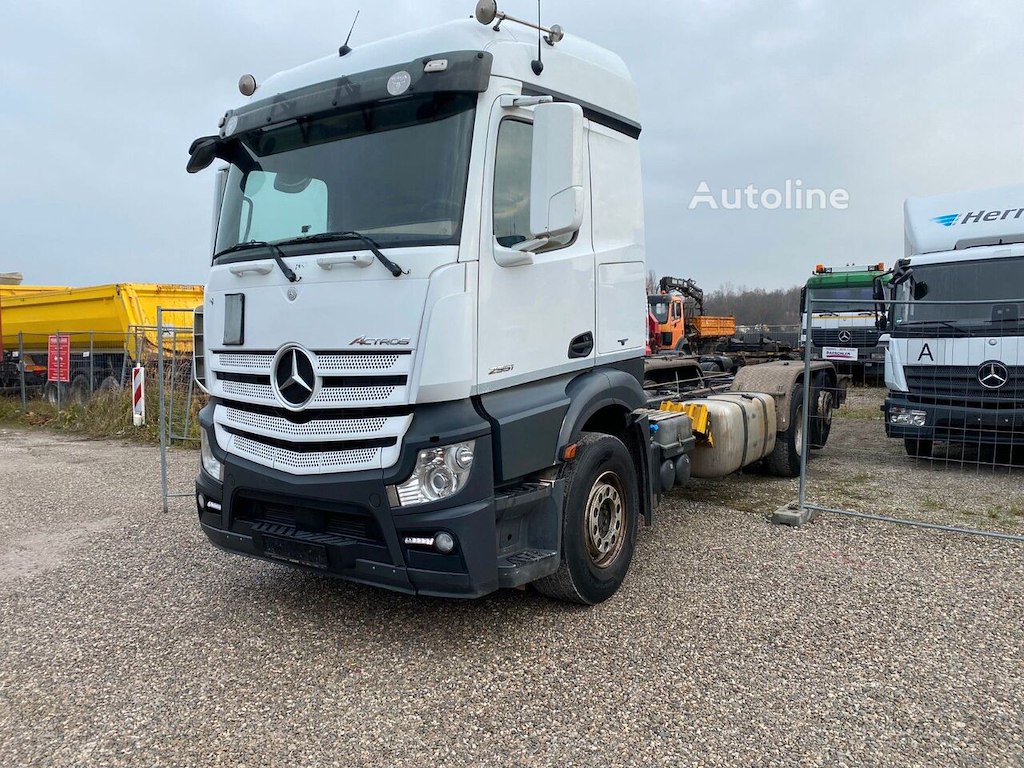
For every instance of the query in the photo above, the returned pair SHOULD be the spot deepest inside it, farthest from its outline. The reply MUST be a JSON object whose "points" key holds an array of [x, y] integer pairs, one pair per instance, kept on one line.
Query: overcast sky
{"points": [[99, 102]]}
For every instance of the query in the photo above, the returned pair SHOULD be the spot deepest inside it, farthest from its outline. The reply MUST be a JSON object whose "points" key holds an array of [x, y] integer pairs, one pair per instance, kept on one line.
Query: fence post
{"points": [[160, 386], [798, 514], [58, 372], [174, 370], [21, 371], [92, 365]]}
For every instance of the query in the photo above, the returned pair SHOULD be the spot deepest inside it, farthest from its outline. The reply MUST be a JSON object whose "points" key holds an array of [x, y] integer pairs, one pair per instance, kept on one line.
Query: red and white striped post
{"points": [[138, 396]]}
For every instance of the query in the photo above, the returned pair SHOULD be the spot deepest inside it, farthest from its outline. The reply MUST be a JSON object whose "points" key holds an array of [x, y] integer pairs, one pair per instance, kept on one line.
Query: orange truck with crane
{"points": [[682, 324]]}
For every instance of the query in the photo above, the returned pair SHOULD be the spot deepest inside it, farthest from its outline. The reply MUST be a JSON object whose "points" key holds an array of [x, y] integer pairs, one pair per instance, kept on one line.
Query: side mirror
{"points": [[556, 171], [202, 152], [920, 291], [878, 290]]}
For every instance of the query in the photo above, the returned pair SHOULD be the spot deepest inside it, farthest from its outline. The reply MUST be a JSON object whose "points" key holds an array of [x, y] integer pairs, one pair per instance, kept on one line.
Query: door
{"points": [[534, 319]]}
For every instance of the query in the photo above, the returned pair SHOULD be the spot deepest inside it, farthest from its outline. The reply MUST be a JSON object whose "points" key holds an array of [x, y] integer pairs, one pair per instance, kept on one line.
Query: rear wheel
{"points": [[784, 460], [824, 403], [918, 449], [599, 522]]}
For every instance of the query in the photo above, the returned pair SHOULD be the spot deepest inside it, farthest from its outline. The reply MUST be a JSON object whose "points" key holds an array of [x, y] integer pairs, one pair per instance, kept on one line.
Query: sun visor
{"points": [[453, 72]]}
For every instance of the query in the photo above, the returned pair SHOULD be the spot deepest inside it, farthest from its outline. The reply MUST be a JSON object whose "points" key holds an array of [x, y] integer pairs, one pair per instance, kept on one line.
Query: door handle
{"points": [[582, 345]]}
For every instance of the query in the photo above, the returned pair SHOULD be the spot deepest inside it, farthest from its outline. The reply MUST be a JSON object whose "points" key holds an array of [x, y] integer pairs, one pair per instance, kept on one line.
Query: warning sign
{"points": [[58, 360]]}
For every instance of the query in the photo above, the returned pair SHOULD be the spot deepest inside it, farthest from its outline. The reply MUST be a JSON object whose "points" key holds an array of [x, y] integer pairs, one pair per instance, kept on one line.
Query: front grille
{"points": [[347, 522], [859, 337], [354, 422], [959, 384], [320, 429]]}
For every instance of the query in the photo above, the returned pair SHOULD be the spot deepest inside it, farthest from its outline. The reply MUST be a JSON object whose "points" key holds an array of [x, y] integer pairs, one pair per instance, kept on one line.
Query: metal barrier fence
{"points": [[91, 372], [941, 445], [177, 389]]}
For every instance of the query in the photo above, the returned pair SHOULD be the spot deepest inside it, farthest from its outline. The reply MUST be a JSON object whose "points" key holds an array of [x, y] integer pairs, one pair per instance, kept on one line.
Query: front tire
{"points": [[599, 522]]}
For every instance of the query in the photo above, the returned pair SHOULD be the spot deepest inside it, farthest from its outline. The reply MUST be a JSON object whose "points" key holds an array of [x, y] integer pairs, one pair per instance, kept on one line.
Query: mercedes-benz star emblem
{"points": [[845, 336], [992, 374], [294, 377]]}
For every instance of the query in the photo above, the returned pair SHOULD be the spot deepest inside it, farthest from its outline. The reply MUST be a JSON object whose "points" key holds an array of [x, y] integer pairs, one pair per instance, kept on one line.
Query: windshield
{"points": [[997, 283], [395, 171], [831, 301], [659, 308]]}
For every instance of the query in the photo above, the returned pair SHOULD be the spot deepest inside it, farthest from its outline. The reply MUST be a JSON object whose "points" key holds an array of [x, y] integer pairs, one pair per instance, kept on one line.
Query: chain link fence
{"points": [[941, 444]]}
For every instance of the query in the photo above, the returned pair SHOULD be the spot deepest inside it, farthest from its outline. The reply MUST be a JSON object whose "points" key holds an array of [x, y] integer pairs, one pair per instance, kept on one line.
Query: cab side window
{"points": [[511, 199], [512, 182]]}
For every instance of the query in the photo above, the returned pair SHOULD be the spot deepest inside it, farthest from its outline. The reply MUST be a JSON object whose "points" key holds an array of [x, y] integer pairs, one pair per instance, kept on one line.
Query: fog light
{"points": [[443, 542], [202, 501]]}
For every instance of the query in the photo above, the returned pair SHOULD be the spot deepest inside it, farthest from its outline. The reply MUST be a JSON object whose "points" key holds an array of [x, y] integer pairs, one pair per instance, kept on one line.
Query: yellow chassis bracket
{"points": [[698, 414]]}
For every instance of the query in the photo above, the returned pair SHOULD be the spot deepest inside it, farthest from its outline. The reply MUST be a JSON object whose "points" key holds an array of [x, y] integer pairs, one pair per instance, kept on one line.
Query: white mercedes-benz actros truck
{"points": [[424, 328], [954, 366]]}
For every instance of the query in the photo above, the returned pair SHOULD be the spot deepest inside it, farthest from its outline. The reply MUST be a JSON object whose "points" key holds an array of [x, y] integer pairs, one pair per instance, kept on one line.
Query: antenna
{"points": [[537, 65], [345, 49]]}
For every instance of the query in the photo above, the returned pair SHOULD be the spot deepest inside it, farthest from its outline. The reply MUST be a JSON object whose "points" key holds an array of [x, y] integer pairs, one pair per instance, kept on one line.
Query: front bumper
{"points": [[958, 424], [342, 525]]}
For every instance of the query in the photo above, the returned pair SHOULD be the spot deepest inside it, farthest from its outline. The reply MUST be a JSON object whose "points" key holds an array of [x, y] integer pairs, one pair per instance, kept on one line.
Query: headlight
{"points": [[907, 417], [211, 464], [439, 473]]}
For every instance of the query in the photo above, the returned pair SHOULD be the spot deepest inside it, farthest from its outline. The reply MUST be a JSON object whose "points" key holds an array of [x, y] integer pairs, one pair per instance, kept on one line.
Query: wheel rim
{"points": [[605, 520], [798, 431], [825, 408]]}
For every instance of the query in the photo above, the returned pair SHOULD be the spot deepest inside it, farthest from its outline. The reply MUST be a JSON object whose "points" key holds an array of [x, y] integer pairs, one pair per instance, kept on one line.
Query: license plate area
{"points": [[300, 552]]}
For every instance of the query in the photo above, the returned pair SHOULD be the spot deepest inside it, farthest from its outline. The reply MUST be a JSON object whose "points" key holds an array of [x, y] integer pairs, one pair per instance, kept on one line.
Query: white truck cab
{"points": [[954, 367]]}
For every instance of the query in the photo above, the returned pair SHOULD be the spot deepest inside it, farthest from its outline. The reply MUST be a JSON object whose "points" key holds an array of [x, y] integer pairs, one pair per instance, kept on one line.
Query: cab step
{"points": [[525, 566]]}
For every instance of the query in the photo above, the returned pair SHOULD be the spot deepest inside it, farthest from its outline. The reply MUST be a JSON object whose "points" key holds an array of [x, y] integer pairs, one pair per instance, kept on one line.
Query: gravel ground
{"points": [[128, 640]]}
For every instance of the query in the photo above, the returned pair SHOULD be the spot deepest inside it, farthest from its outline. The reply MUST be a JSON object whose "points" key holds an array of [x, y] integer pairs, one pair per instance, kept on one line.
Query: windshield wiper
{"points": [[275, 251], [326, 237]]}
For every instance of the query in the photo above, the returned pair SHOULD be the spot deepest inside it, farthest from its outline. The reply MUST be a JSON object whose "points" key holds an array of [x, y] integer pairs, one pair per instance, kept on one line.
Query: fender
{"points": [[777, 379], [594, 390]]}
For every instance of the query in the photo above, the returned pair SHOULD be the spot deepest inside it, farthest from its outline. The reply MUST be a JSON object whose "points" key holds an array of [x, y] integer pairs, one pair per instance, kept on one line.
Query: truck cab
{"points": [[842, 321], [953, 366]]}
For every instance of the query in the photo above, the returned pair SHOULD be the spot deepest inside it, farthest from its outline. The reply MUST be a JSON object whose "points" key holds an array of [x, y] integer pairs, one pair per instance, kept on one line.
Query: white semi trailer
{"points": [[424, 327], [954, 366]]}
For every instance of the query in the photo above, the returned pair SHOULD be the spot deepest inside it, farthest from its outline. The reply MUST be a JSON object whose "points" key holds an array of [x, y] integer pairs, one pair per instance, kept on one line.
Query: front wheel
{"points": [[599, 522]]}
